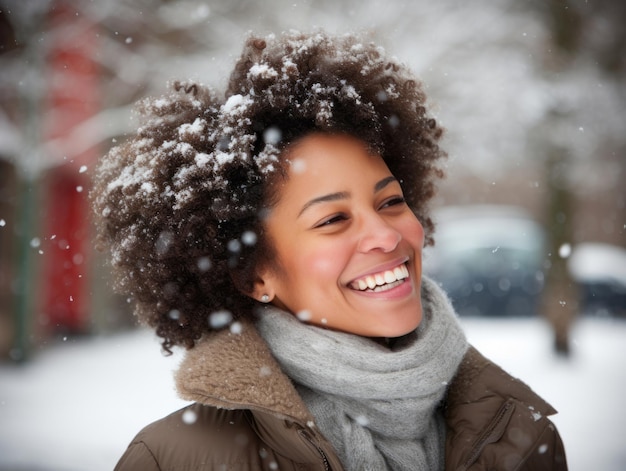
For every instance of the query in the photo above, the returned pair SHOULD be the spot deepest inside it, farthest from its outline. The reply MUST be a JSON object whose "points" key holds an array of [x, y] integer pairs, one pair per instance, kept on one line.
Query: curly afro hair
{"points": [[180, 205]]}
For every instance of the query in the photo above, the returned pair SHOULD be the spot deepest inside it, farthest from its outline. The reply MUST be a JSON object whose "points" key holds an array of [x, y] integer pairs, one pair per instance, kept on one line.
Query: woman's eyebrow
{"points": [[325, 198], [384, 182], [340, 195]]}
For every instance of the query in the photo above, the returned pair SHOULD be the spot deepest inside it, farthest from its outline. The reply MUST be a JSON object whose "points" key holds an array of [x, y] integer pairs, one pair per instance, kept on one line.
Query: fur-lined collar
{"points": [[237, 371]]}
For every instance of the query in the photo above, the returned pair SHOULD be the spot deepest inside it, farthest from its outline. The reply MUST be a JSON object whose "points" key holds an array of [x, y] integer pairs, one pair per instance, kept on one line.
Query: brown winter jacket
{"points": [[247, 415]]}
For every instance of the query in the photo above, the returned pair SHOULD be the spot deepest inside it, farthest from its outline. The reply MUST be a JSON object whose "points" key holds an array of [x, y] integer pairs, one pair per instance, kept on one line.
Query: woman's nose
{"points": [[378, 234]]}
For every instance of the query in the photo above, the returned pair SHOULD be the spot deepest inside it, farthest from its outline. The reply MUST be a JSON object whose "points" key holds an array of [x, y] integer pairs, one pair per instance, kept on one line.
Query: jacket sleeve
{"points": [[515, 441], [137, 457], [549, 454], [496, 421]]}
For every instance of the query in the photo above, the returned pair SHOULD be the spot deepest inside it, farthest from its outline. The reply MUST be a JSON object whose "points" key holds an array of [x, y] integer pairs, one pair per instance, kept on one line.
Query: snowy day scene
{"points": [[312, 234]]}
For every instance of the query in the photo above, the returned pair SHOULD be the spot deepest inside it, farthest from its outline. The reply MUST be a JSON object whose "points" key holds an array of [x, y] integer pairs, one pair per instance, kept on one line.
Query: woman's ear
{"points": [[263, 290]]}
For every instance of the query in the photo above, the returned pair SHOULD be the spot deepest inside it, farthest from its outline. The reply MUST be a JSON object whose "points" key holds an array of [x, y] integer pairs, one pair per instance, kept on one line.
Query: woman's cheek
{"points": [[322, 265], [325, 261], [414, 231]]}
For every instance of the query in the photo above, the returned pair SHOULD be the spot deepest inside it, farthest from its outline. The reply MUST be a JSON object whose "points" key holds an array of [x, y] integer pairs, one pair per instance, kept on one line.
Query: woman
{"points": [[277, 235]]}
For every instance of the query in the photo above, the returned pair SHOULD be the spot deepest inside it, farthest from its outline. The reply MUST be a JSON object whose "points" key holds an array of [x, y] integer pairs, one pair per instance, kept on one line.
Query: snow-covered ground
{"points": [[78, 403]]}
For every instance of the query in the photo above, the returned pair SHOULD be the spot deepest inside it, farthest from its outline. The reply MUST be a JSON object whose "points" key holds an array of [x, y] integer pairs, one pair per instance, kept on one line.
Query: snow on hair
{"points": [[178, 202]]}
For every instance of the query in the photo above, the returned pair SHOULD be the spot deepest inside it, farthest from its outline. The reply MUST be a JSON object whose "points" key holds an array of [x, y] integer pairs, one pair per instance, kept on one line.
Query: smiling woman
{"points": [[277, 234]]}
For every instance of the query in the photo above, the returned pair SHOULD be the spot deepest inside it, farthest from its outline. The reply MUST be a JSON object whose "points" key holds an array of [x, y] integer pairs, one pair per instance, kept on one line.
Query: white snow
{"points": [[202, 159], [77, 404], [194, 129], [263, 71], [236, 104], [599, 262]]}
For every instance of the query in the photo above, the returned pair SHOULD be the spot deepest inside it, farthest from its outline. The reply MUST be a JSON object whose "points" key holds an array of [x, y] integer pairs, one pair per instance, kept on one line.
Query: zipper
{"points": [[492, 433], [307, 437]]}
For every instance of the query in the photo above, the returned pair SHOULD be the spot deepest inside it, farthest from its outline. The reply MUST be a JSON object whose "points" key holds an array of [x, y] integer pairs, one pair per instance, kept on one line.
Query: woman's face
{"points": [[348, 247]]}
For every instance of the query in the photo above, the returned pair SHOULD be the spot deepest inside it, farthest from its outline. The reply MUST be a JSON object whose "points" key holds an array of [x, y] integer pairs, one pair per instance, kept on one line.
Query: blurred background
{"points": [[531, 217]]}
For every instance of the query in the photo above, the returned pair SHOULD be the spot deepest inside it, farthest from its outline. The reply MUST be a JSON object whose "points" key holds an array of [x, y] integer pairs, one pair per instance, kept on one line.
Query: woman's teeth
{"points": [[374, 282]]}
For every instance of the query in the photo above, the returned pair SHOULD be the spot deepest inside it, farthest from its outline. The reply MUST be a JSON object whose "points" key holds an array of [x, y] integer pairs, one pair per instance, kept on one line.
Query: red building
{"points": [[71, 99]]}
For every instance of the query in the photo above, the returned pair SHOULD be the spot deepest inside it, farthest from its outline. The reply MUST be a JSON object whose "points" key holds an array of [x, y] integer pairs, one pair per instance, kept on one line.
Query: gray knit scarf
{"points": [[376, 404]]}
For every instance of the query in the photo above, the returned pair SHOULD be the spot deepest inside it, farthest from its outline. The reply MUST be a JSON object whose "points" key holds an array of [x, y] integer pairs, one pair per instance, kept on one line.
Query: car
{"points": [[490, 260], [600, 271]]}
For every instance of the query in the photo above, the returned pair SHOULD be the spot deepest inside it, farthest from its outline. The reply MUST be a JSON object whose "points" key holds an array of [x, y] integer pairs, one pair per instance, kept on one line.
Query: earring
{"points": [[265, 298]]}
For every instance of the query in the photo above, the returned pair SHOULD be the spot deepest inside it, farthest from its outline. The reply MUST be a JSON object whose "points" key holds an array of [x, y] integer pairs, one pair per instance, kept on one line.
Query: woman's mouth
{"points": [[383, 281]]}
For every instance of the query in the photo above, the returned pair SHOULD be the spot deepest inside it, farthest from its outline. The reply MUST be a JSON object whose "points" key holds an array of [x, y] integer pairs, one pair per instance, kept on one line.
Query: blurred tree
{"points": [[20, 96], [7, 217], [573, 39]]}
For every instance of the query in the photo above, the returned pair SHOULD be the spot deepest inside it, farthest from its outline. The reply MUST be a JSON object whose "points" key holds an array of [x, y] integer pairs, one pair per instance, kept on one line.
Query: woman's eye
{"points": [[396, 200], [332, 220]]}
